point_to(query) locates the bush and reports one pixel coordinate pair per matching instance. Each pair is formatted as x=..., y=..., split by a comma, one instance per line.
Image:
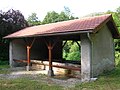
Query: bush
x=71, y=51
x=117, y=58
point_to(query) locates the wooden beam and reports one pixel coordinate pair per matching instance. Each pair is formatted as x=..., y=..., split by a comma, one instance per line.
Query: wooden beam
x=29, y=46
x=78, y=45
x=50, y=55
x=28, y=55
x=64, y=44
x=50, y=46
x=22, y=61
x=67, y=67
x=32, y=42
x=55, y=42
x=52, y=41
x=58, y=66
x=44, y=39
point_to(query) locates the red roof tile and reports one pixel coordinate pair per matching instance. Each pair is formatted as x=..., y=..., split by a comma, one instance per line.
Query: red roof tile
x=78, y=25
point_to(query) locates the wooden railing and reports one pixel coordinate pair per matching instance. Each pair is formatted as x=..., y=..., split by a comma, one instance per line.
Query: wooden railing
x=46, y=64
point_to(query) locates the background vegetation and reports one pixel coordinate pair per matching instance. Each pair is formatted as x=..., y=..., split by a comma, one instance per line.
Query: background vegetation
x=13, y=20
x=71, y=49
x=10, y=21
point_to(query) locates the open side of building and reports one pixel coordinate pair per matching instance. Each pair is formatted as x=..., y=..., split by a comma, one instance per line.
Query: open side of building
x=45, y=43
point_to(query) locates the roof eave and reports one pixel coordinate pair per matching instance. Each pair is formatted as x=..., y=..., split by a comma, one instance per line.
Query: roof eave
x=114, y=30
x=52, y=34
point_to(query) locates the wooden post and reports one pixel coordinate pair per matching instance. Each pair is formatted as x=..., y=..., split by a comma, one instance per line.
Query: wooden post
x=28, y=58
x=50, y=72
x=50, y=46
x=50, y=57
x=28, y=53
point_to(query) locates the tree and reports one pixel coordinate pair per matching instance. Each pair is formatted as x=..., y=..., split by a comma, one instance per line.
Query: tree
x=71, y=51
x=118, y=10
x=116, y=17
x=63, y=17
x=33, y=20
x=10, y=21
x=51, y=17
x=67, y=12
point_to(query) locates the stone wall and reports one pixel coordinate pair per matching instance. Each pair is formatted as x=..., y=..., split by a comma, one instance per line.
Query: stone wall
x=102, y=51
x=17, y=51
x=85, y=57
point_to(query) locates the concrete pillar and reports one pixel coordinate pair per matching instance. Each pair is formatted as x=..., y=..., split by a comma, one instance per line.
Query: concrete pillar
x=50, y=73
x=85, y=58
x=11, y=62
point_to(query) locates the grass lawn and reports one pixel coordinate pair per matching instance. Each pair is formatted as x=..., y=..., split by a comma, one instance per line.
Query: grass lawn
x=3, y=67
x=26, y=84
x=106, y=81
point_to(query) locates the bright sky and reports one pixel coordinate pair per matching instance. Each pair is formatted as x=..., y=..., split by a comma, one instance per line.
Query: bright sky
x=41, y=7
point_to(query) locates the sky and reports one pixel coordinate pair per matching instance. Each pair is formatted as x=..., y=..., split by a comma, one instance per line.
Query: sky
x=78, y=8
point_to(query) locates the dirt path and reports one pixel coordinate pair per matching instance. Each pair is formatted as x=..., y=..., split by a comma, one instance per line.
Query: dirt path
x=36, y=75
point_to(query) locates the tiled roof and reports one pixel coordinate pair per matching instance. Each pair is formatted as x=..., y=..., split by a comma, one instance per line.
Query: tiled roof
x=86, y=24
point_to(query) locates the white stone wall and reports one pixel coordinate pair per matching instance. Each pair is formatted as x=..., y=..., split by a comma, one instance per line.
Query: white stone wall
x=85, y=57
x=17, y=50
x=102, y=51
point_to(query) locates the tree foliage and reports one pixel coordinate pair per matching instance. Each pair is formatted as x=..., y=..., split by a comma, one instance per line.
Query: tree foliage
x=33, y=20
x=10, y=21
x=53, y=16
x=71, y=51
x=116, y=17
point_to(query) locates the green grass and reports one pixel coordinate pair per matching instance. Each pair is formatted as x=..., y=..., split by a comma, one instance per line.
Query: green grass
x=4, y=62
x=3, y=67
x=26, y=84
x=5, y=71
x=107, y=81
